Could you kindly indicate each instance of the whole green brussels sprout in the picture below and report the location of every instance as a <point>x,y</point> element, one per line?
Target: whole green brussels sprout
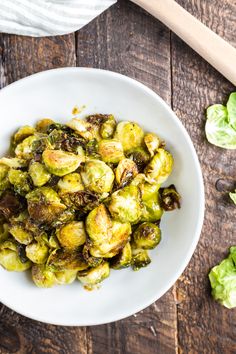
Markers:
<point>130,134</point>
<point>92,277</point>
<point>160,167</point>
<point>65,277</point>
<point>140,259</point>
<point>99,225</point>
<point>39,174</point>
<point>72,235</point>
<point>151,207</point>
<point>20,180</point>
<point>10,259</point>
<point>147,236</point>
<point>43,277</point>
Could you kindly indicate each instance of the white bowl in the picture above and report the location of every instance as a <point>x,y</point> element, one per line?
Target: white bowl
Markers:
<point>53,94</point>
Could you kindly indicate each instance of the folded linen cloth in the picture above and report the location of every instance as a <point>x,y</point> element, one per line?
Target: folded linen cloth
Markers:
<point>39,18</point>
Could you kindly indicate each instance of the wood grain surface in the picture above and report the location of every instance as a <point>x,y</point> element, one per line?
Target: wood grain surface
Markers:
<point>128,40</point>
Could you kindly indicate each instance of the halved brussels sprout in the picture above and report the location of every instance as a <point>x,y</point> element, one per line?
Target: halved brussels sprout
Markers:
<point>23,133</point>
<point>91,260</point>
<point>71,183</point>
<point>140,156</point>
<point>20,180</point>
<point>42,276</point>
<point>125,205</point>
<point>97,176</point>
<point>43,124</point>
<point>140,259</point>
<point>81,127</point>
<point>152,142</point>
<point>20,234</point>
<point>151,208</point>
<point>13,162</point>
<point>25,150</point>
<point>10,259</point>
<point>44,205</point>
<point>160,167</point>
<point>39,174</point>
<point>130,134</point>
<point>99,225</point>
<point>94,276</point>
<point>72,235</point>
<point>61,163</point>
<point>37,252</point>
<point>169,198</point>
<point>110,150</point>
<point>61,259</point>
<point>147,236</point>
<point>123,259</point>
<point>4,232</point>
<point>125,172</point>
<point>65,217</point>
<point>108,127</point>
<point>139,180</point>
<point>66,277</point>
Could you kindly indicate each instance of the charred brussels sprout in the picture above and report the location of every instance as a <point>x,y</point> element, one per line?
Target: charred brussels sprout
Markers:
<point>72,235</point>
<point>62,260</point>
<point>110,150</point>
<point>71,183</point>
<point>125,205</point>
<point>147,236</point>
<point>169,198</point>
<point>140,156</point>
<point>140,259</point>
<point>98,225</point>
<point>20,180</point>
<point>125,172</point>
<point>61,163</point>
<point>37,252</point>
<point>97,176</point>
<point>25,150</point>
<point>152,142</point>
<point>44,205</point>
<point>39,174</point>
<point>43,125</point>
<point>42,276</point>
<point>82,128</point>
<point>108,127</point>
<point>91,260</point>
<point>160,167</point>
<point>66,277</point>
<point>84,201</point>
<point>23,133</point>
<point>9,257</point>
<point>129,134</point>
<point>151,208</point>
<point>123,259</point>
<point>20,234</point>
<point>4,180</point>
<point>94,276</point>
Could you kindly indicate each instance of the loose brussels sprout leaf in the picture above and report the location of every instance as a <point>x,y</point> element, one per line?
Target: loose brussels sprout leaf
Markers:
<point>123,259</point>
<point>160,167</point>
<point>71,183</point>
<point>72,235</point>
<point>125,205</point>
<point>68,141</point>
<point>43,125</point>
<point>169,198</point>
<point>231,107</point>
<point>25,150</point>
<point>233,196</point>
<point>223,280</point>
<point>61,163</point>
<point>43,277</point>
<point>9,258</point>
<point>4,232</point>
<point>10,205</point>
<point>99,225</point>
<point>152,143</point>
<point>110,150</point>
<point>92,149</point>
<point>39,174</point>
<point>140,156</point>
<point>147,236</point>
<point>82,128</point>
<point>37,252</point>
<point>218,130</point>
<point>83,201</point>
<point>66,277</point>
<point>125,172</point>
<point>23,133</point>
<point>140,259</point>
<point>44,205</point>
<point>130,134</point>
<point>92,261</point>
<point>94,276</point>
<point>20,234</point>
<point>151,208</point>
<point>13,162</point>
<point>61,260</point>
<point>20,180</point>
<point>97,176</point>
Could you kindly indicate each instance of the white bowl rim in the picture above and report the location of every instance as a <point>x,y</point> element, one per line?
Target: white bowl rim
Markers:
<point>198,228</point>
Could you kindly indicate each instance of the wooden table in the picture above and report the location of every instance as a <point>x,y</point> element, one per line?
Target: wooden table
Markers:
<point>127,40</point>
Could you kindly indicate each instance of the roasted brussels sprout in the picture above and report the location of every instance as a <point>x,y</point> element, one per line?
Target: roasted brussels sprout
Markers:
<point>20,180</point>
<point>42,276</point>
<point>91,260</point>
<point>10,205</point>
<point>66,277</point>
<point>97,176</point>
<point>37,252</point>
<point>20,234</point>
<point>10,259</point>
<point>39,174</point>
<point>147,236</point>
<point>125,172</point>
<point>4,181</point>
<point>169,198</point>
<point>94,276</point>
<point>4,232</point>
<point>99,225</point>
<point>125,205</point>
<point>61,260</point>
<point>67,141</point>
<point>81,127</point>
<point>43,124</point>
<point>152,142</point>
<point>129,134</point>
<point>140,156</point>
<point>140,259</point>
<point>13,162</point>
<point>139,180</point>
<point>71,183</point>
<point>44,205</point>
<point>108,127</point>
<point>123,259</point>
<point>61,163</point>
<point>23,133</point>
<point>72,235</point>
<point>110,150</point>
<point>160,167</point>
<point>151,208</point>
<point>84,201</point>
<point>25,150</point>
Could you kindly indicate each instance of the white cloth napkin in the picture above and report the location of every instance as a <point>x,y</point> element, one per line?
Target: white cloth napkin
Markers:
<point>48,17</point>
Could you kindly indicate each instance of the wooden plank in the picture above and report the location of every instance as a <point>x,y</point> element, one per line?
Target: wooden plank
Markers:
<point>127,40</point>
<point>203,325</point>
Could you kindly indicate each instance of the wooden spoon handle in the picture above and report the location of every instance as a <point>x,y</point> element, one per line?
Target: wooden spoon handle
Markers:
<point>220,54</point>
